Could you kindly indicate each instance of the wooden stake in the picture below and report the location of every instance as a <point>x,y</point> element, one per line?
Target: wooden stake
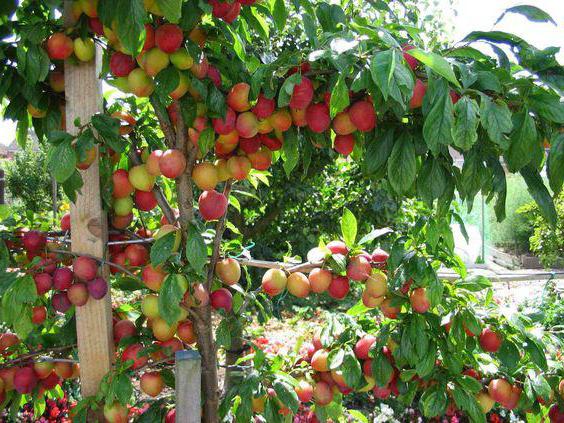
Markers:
<point>188,386</point>
<point>83,92</point>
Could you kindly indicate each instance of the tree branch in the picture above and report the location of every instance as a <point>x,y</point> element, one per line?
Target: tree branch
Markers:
<point>34,354</point>
<point>219,229</point>
<point>101,260</point>
<point>184,188</point>
<point>164,121</point>
<point>160,197</point>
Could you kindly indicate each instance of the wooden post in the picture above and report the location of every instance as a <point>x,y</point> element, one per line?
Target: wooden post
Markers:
<point>89,233</point>
<point>188,386</point>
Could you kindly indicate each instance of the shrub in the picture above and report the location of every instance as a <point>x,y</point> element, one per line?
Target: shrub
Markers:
<point>546,242</point>
<point>28,181</point>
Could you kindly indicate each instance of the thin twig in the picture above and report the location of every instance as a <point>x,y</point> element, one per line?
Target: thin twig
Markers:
<point>29,356</point>
<point>101,260</point>
<point>132,241</point>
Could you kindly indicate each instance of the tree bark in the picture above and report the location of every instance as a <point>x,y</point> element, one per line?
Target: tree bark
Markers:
<point>202,316</point>
<point>207,349</point>
<point>233,377</point>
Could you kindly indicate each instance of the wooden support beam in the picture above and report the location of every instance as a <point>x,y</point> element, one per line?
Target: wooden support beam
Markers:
<point>83,92</point>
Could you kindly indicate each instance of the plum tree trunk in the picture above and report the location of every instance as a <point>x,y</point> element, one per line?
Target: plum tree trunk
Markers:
<point>202,316</point>
<point>207,349</point>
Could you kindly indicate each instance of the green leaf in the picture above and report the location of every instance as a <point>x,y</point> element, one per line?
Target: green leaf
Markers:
<point>280,14</point>
<point>337,263</point>
<point>171,293</point>
<point>434,401</point>
<point>437,129</point>
<point>382,370</point>
<point>437,63</point>
<point>72,185</point>
<point>131,30</point>
<point>206,140</point>
<point>287,395</point>
<point>223,334</point>
<point>539,385</point>
<point>352,372</point>
<point>348,227</point>
<point>508,354</point>
<point>391,76</point>
<point>372,235</point>
<point>84,142</point>
<point>191,15</point>
<point>167,80</point>
<point>474,283</point>
<point>339,96</point>
<point>108,130</point>
<point>431,181</point>
<point>496,120</point>
<point>16,304</point>
<point>536,353</point>
<point>155,413</point>
<point>532,13</point>
<point>122,388</point>
<point>555,164</point>
<point>378,149</point>
<point>61,160</point>
<point>330,16</point>
<point>465,129</point>
<point>335,358</point>
<point>495,37</point>
<point>37,64</point>
<point>540,194</point>
<point>469,384</point>
<point>172,9</point>
<point>22,132</point>
<point>402,164</point>
<point>287,89</point>
<point>290,153</point>
<point>196,250</point>
<point>523,140</point>
<point>468,403</point>
<point>162,248</point>
<point>548,106</point>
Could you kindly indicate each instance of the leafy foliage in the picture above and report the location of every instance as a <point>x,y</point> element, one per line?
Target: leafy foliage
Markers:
<point>27,180</point>
<point>546,242</point>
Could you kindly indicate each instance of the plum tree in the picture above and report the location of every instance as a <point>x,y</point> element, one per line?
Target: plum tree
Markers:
<point>203,104</point>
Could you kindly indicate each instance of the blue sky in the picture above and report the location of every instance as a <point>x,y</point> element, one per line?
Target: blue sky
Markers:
<point>469,15</point>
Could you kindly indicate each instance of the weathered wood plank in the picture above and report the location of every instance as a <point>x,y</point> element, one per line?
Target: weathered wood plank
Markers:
<point>83,92</point>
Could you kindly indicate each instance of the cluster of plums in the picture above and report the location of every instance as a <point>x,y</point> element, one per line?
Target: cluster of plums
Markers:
<point>228,11</point>
<point>25,378</point>
<point>45,375</point>
<point>319,383</point>
<point>135,187</point>
<point>70,286</point>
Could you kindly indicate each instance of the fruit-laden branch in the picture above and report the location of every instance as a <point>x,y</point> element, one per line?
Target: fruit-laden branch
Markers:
<point>33,354</point>
<point>219,230</point>
<point>184,190</point>
<point>159,196</point>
